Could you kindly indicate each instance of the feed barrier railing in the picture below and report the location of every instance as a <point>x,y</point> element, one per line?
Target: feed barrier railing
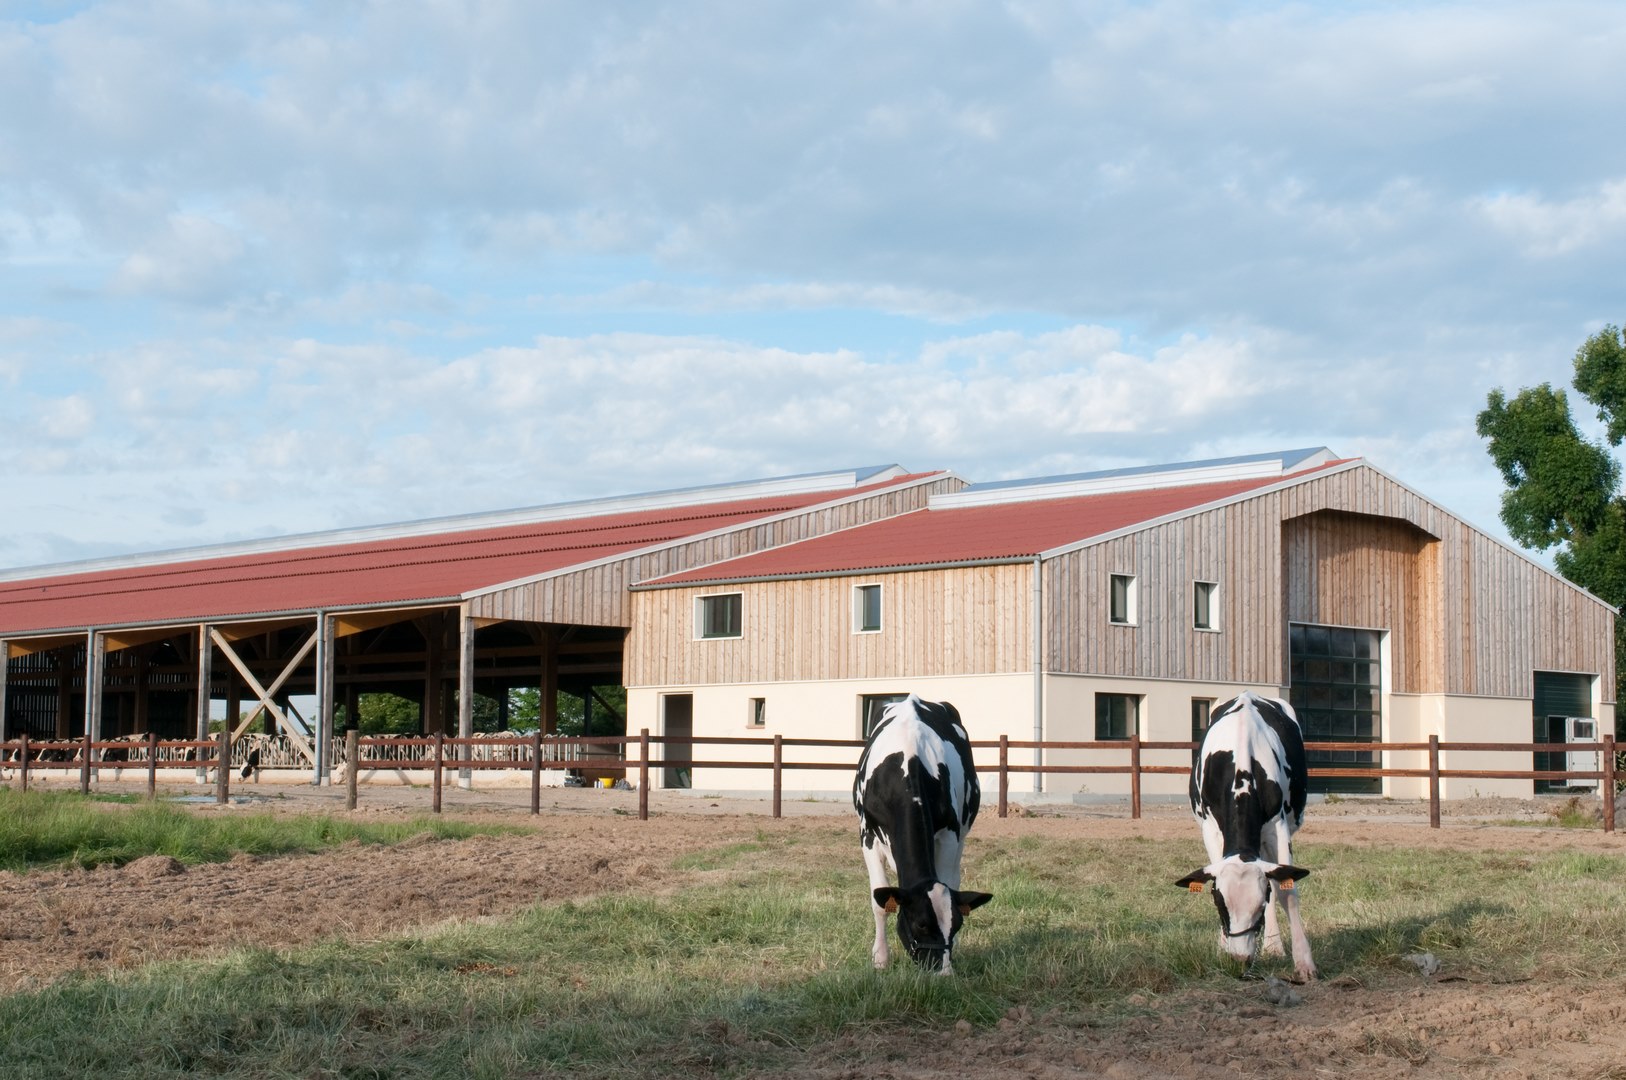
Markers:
<point>628,754</point>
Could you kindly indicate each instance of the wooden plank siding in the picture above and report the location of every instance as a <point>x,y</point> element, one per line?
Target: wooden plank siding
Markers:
<point>955,621</point>
<point>600,596</point>
<point>1466,614</point>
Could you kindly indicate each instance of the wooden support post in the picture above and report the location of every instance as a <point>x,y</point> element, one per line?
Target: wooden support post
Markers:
<point>152,765</point>
<point>465,694</point>
<point>1608,783</point>
<point>222,764</point>
<point>84,763</point>
<point>1434,781</point>
<point>22,766</point>
<point>643,774</point>
<point>548,684</point>
<point>1134,775</point>
<point>1004,773</point>
<point>5,663</point>
<point>536,770</point>
<point>440,763</point>
<point>205,655</point>
<point>95,661</point>
<point>352,765</point>
<point>778,771</point>
<point>325,710</point>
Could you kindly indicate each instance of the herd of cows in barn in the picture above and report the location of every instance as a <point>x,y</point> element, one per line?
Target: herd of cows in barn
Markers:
<point>917,796</point>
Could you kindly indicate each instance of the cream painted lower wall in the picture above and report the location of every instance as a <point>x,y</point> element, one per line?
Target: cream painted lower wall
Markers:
<point>992,706</point>
<point>989,705</point>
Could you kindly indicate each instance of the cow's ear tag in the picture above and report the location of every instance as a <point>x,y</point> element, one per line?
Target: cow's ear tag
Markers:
<point>1195,886</point>
<point>1287,884</point>
<point>891,906</point>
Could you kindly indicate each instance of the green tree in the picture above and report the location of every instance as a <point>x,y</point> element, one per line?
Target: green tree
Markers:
<point>1562,487</point>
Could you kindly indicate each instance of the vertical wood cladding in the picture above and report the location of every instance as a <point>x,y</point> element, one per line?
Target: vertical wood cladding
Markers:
<point>1466,615</point>
<point>960,621</point>
<point>599,595</point>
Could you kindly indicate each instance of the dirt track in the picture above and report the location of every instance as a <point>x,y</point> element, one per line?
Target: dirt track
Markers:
<point>112,918</point>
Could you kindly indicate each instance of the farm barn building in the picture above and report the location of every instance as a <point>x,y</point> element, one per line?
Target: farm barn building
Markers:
<point>1066,609</point>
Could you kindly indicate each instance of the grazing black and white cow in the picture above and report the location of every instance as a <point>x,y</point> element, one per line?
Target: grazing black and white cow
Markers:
<point>916,795</point>
<point>1247,792</point>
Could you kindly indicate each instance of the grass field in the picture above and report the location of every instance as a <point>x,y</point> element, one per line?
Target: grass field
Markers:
<point>764,953</point>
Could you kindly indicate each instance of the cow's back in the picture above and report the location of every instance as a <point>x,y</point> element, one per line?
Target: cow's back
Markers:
<point>1249,770</point>
<point>919,756</point>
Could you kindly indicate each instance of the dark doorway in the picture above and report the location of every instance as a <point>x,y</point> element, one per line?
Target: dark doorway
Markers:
<point>1336,689</point>
<point>677,724</point>
<point>1558,696</point>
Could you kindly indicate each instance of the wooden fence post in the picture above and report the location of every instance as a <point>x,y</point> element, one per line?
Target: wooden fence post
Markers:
<point>1608,783</point>
<point>1134,775</point>
<point>22,766</point>
<point>1434,781</point>
<point>643,774</point>
<point>778,771</point>
<point>84,765</point>
<point>352,765</point>
<point>1004,772</point>
<point>223,766</point>
<point>152,765</point>
<point>440,762</point>
<point>536,770</point>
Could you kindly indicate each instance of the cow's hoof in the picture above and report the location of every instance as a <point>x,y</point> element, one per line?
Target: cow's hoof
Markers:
<point>1306,974</point>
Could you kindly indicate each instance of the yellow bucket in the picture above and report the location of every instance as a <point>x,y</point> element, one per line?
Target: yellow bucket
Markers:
<point>605,781</point>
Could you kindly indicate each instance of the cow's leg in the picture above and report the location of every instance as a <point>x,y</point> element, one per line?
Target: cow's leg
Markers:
<point>1303,964</point>
<point>875,861</point>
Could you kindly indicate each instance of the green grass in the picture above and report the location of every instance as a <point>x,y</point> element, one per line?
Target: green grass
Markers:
<point>767,954</point>
<point>57,829</point>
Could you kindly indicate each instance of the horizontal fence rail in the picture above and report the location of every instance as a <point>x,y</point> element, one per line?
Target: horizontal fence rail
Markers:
<point>627,754</point>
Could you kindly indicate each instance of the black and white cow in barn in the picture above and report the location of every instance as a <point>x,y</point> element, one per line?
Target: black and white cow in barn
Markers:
<point>1247,793</point>
<point>916,795</point>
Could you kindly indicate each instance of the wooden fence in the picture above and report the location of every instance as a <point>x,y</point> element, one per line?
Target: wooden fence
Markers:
<point>440,753</point>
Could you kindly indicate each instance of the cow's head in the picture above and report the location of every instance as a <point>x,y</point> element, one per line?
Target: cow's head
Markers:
<point>929,916</point>
<point>1241,890</point>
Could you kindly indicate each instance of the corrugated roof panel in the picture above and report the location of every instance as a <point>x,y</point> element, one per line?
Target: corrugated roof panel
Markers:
<point>1004,532</point>
<point>404,570</point>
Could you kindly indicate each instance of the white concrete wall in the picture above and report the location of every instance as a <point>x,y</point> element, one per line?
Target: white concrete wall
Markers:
<point>989,705</point>
<point>1165,716</point>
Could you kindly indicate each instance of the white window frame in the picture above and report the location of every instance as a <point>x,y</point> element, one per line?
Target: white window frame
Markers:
<point>1213,626</point>
<point>858,608</point>
<point>1131,600</point>
<point>700,617</point>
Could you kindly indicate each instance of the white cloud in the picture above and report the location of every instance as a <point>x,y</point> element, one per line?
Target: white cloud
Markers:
<point>1547,228</point>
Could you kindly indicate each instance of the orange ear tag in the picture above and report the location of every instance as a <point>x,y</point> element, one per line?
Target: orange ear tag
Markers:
<point>1287,885</point>
<point>1195,886</point>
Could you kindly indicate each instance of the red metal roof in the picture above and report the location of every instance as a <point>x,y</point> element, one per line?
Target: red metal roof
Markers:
<point>402,570</point>
<point>1003,531</point>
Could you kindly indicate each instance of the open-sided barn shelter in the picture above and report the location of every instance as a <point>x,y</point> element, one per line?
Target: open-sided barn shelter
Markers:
<point>1066,608</point>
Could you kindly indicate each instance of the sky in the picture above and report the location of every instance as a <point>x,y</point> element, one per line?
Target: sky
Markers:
<point>272,268</point>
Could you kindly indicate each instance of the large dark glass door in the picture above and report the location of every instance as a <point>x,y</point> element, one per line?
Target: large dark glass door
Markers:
<point>1336,689</point>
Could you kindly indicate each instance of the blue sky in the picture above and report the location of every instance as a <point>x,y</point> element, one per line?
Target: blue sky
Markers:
<point>278,267</point>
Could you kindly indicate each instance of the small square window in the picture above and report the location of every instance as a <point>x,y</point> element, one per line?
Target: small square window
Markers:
<point>758,716</point>
<point>866,609</point>
<point>1201,709</point>
<point>1117,716</point>
<point>719,616</point>
<point>1205,605</point>
<point>1121,609</point>
<point>872,707</point>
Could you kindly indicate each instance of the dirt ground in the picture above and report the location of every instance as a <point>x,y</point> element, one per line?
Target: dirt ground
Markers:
<point>1445,1025</point>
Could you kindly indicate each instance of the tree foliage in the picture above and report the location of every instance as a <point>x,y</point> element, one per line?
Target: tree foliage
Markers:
<point>1563,488</point>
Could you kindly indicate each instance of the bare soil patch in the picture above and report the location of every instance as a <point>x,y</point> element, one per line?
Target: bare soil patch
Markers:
<point>1404,1024</point>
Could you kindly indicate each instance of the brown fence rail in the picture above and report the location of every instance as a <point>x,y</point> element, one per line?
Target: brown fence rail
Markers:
<point>629,753</point>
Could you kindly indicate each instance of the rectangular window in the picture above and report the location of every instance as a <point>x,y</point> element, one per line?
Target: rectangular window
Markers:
<point>1201,707</point>
<point>758,716</point>
<point>719,616</point>
<point>1122,603</point>
<point>866,609</point>
<point>1205,605</point>
<point>871,706</point>
<point>1117,716</point>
